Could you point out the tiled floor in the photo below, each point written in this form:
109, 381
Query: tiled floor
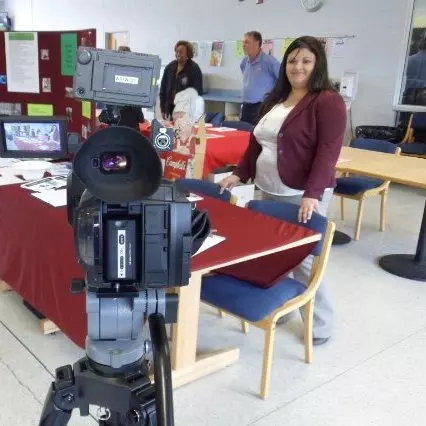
373, 371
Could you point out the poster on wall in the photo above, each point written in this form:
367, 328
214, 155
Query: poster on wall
22, 62
239, 49
268, 46
216, 54
195, 48
68, 53
286, 43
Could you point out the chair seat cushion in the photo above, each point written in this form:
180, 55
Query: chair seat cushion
246, 300
418, 148
353, 185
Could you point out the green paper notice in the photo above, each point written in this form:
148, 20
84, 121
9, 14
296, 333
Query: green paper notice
68, 54
42, 110
86, 109
239, 50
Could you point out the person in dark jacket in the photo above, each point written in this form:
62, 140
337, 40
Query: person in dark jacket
179, 75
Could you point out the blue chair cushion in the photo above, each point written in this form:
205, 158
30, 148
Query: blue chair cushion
417, 148
245, 300
353, 185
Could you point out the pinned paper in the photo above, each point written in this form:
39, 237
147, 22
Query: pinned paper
286, 44
43, 110
268, 46
68, 53
86, 108
239, 50
338, 47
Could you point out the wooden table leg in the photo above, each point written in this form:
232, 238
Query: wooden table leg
186, 365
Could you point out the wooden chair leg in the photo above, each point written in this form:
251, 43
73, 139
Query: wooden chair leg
309, 323
342, 208
267, 361
359, 218
383, 204
245, 326
221, 313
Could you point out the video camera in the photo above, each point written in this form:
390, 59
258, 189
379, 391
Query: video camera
135, 234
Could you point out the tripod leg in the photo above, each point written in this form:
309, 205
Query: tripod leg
60, 399
51, 414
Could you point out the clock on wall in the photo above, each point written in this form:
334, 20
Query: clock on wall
312, 5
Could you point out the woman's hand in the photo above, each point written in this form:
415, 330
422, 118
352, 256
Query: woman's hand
228, 183
307, 206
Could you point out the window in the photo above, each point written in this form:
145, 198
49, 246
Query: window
412, 93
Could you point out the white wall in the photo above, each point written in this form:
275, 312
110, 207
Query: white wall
155, 25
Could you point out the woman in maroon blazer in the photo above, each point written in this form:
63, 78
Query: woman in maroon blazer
294, 148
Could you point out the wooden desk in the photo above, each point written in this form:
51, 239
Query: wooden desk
410, 171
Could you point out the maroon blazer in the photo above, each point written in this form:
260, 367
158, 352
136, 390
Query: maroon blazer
309, 145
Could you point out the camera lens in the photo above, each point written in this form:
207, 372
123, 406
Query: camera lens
114, 162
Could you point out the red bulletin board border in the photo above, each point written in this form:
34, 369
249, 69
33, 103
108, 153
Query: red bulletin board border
51, 68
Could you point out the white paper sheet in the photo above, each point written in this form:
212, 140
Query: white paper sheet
9, 180
193, 197
7, 162
54, 198
213, 136
224, 129
343, 160
46, 184
210, 242
22, 62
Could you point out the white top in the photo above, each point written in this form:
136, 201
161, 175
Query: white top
266, 133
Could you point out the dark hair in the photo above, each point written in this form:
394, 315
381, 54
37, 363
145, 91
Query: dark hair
189, 47
124, 49
319, 79
256, 36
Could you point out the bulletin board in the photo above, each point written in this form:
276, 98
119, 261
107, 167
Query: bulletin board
56, 64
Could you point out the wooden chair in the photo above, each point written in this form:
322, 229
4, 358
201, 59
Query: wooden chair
359, 188
414, 144
261, 307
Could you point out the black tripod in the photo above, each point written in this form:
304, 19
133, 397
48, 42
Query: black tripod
124, 393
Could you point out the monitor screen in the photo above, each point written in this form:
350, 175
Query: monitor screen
31, 137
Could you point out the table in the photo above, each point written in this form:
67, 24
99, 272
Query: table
410, 171
38, 237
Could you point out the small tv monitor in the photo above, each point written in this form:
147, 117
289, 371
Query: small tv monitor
33, 137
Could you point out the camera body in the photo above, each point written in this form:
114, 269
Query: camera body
135, 245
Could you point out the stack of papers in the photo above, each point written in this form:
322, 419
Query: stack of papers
56, 198
7, 162
210, 242
60, 169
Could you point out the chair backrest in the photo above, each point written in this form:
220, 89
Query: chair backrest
239, 125
215, 118
377, 145
203, 187
418, 121
289, 213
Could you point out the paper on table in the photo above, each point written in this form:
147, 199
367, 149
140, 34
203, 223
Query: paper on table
6, 162
9, 180
212, 136
54, 198
193, 197
224, 129
210, 242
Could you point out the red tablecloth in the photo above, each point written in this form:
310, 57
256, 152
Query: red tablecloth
37, 252
221, 151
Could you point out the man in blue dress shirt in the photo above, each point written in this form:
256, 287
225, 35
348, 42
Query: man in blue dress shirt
260, 73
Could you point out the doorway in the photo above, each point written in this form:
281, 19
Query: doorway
116, 39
